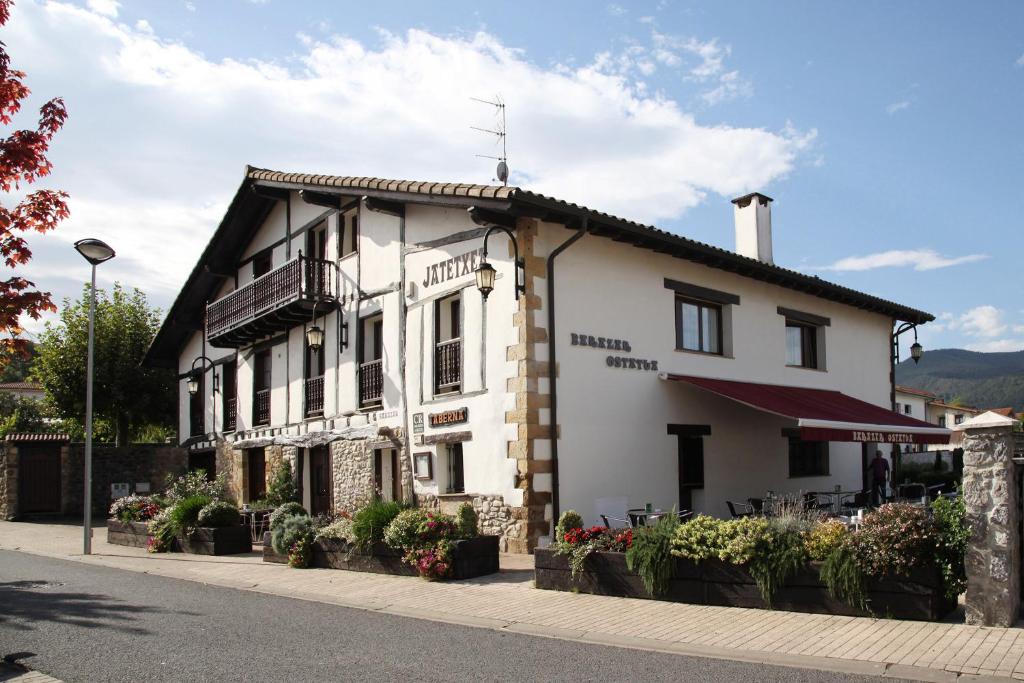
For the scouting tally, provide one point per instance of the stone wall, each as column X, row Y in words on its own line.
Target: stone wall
column 496, row 518
column 151, row 463
column 990, row 491
column 134, row 464
column 352, row 461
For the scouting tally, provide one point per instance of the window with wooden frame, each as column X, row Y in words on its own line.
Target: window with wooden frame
column 348, row 234
column 262, row 263
column 808, row 458
column 801, row 345
column 448, row 345
column 456, row 474
column 698, row 326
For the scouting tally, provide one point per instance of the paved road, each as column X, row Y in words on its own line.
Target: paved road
column 88, row 623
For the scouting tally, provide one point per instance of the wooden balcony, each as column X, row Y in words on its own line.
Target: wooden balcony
column 448, row 366
column 314, row 396
column 371, row 383
column 272, row 303
column 261, row 408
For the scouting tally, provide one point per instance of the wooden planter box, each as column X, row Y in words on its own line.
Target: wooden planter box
column 470, row 558
column 713, row 582
column 132, row 534
column 226, row 540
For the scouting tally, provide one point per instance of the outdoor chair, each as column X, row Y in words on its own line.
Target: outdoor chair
column 738, row 510
column 684, row 515
column 757, row 504
column 856, row 501
column 625, row 523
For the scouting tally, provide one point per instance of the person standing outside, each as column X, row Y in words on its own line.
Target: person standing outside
column 879, row 469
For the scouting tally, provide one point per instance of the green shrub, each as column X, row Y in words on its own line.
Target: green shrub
column 286, row 510
column 404, row 529
column 195, row 484
column 570, row 519
column 842, row 575
column 743, row 538
column 338, row 530
column 650, row 554
column 701, row 538
column 894, row 539
column 466, row 521
column 184, row 515
column 369, row 523
column 778, row 555
column 282, row 488
column 219, row 514
column 824, row 538
column 950, row 518
column 159, row 527
column 289, row 530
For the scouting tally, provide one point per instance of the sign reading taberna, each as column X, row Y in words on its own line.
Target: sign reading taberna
column 449, row 417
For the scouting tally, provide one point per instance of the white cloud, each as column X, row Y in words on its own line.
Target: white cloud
column 980, row 321
column 1020, row 62
column 919, row 259
column 997, row 345
column 672, row 51
column 158, row 134
column 897, row 106
column 616, row 10
column 107, row 8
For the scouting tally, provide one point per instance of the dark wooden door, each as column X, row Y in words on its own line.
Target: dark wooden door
column 38, row 479
column 321, row 480
column 396, row 476
column 257, row 474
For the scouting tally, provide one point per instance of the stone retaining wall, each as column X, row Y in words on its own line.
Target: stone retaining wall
column 496, row 517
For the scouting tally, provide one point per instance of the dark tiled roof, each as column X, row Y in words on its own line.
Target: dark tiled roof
column 22, row 386
column 248, row 209
column 916, row 392
column 37, row 438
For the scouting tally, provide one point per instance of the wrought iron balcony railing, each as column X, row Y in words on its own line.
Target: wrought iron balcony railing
column 314, row 395
column 448, row 366
column 371, row 383
column 271, row 303
column 261, row 407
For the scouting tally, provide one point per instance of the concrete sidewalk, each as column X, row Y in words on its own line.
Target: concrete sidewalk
column 508, row 601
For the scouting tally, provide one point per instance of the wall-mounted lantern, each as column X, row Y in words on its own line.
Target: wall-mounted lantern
column 485, row 273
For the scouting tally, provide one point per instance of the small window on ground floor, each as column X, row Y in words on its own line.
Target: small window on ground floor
column 456, row 476
column 808, row 458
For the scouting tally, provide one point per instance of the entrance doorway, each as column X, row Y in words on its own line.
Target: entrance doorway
column 321, row 481
column 38, row 479
column 387, row 473
column 690, row 460
column 257, row 474
column 205, row 461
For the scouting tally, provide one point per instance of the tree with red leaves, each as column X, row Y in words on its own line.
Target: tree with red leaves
column 23, row 160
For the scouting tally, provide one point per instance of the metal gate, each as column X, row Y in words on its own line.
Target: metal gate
column 39, row 479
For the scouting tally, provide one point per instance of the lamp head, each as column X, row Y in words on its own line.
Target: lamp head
column 94, row 251
column 485, row 275
column 916, row 351
column 315, row 337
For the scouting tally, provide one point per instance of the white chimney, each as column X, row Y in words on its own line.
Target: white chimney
column 753, row 214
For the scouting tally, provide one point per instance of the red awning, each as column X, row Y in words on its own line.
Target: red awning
column 824, row 415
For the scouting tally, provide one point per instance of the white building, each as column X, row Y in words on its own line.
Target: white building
column 675, row 373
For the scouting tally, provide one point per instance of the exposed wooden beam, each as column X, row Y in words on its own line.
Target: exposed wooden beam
column 487, row 218
column 384, row 206
column 275, row 193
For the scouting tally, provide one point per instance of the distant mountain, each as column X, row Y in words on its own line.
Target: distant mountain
column 985, row 380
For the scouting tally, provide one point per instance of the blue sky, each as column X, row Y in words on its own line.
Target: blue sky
column 887, row 133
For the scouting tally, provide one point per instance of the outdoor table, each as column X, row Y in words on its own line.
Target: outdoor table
column 254, row 520
column 836, row 498
column 639, row 516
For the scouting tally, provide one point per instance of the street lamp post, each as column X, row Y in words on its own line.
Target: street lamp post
column 95, row 252
column 916, row 351
column 192, row 384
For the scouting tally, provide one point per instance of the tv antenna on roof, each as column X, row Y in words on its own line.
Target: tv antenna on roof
column 499, row 133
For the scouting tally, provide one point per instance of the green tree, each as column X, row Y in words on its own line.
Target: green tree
column 126, row 395
column 21, row 415
column 19, row 365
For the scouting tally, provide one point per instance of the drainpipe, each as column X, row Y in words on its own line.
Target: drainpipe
column 552, row 374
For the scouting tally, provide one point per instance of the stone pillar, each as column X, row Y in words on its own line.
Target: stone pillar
column 993, row 560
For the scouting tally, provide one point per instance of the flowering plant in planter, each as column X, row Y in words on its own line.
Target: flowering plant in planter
column 579, row 543
column 432, row 563
column 134, row 508
column 301, row 552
